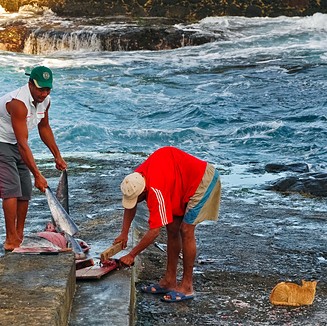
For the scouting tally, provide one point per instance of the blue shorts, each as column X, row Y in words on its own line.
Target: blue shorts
column 15, row 177
column 204, row 204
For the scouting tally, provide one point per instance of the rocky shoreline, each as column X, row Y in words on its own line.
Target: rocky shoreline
column 138, row 25
column 121, row 34
column 186, row 11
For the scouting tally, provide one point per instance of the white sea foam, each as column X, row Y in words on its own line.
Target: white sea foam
column 318, row 21
column 2, row 10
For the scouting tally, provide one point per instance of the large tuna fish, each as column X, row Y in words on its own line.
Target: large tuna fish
column 62, row 191
column 59, row 214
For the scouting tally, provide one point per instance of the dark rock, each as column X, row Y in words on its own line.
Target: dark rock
column 234, row 10
column 310, row 184
column 283, row 184
column 253, row 11
column 190, row 10
column 13, row 38
column 294, row 167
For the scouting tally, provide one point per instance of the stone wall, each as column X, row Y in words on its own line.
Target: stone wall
column 181, row 10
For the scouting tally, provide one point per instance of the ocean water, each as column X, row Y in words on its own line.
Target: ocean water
column 256, row 96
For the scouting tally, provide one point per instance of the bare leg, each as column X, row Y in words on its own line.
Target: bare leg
column 22, row 207
column 174, row 246
column 9, row 206
column 189, row 254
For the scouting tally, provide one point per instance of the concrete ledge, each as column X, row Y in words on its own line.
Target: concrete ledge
column 36, row 289
column 41, row 290
column 103, row 302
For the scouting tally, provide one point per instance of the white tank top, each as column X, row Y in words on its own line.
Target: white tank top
column 34, row 115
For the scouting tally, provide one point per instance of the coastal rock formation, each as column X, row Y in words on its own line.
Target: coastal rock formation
column 33, row 39
column 191, row 10
column 308, row 184
column 149, row 24
column 13, row 38
column 299, row 180
column 280, row 167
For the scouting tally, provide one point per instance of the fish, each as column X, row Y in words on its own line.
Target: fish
column 53, row 240
column 43, row 243
column 35, row 241
column 60, row 216
column 62, row 195
column 76, row 247
column 62, row 191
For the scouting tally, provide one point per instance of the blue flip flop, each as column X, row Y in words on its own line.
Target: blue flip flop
column 154, row 289
column 176, row 296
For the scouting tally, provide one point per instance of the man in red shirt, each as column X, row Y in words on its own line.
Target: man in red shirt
column 181, row 191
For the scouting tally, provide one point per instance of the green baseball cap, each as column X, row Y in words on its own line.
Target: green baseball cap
column 42, row 77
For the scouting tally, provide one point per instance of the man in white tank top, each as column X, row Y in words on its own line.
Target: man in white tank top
column 20, row 111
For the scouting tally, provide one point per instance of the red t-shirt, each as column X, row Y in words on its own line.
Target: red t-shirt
column 172, row 177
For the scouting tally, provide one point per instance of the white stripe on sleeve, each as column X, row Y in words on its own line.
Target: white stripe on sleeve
column 162, row 206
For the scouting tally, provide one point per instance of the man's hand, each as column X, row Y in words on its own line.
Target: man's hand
column 122, row 238
column 60, row 164
column 40, row 182
column 127, row 260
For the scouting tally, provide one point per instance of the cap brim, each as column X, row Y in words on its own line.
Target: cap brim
column 129, row 203
column 41, row 86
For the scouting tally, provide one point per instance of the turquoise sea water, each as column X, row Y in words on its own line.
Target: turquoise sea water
column 257, row 96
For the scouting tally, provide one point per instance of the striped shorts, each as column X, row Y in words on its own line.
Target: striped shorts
column 204, row 204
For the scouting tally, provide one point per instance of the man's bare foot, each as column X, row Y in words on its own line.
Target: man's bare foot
column 11, row 246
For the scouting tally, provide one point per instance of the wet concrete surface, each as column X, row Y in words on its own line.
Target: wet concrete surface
column 106, row 301
column 109, row 300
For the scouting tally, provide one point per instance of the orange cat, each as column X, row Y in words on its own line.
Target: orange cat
column 291, row 294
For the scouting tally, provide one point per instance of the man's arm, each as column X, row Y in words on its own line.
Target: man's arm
column 48, row 139
column 128, row 217
column 146, row 240
column 18, row 113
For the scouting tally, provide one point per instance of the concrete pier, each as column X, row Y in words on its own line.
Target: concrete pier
column 36, row 289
